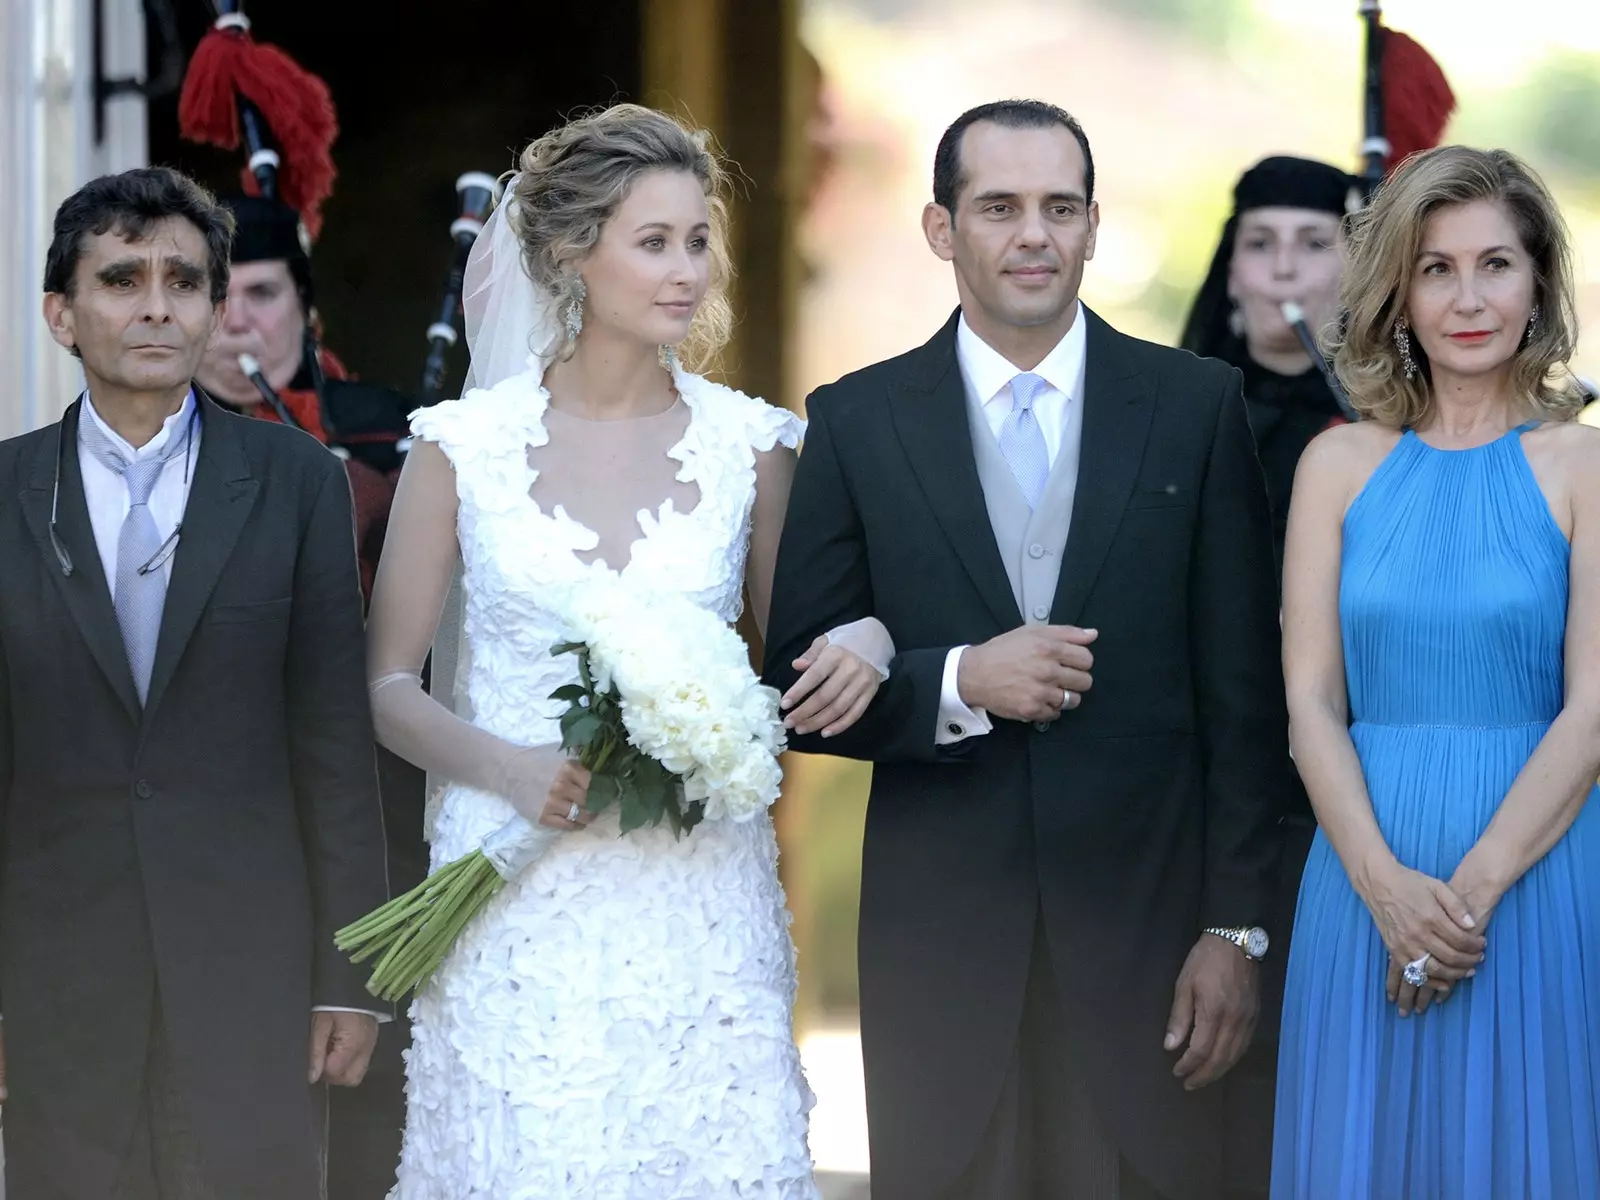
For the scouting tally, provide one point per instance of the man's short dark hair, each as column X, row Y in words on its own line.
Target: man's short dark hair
column 948, row 178
column 131, row 203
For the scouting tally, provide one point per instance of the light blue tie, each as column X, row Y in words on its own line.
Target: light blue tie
column 138, row 597
column 1022, row 441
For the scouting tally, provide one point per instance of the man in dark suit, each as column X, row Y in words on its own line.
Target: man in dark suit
column 1081, row 746
column 188, row 804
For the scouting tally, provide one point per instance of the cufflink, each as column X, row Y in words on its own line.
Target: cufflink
column 955, row 730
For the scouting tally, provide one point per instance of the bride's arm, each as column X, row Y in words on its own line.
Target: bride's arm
column 843, row 669
column 414, row 574
column 774, row 477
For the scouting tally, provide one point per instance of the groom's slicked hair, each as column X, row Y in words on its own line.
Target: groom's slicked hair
column 948, row 177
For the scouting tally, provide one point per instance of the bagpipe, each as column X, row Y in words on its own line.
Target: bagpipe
column 1406, row 99
column 242, row 94
column 238, row 93
column 477, row 194
column 1406, row 103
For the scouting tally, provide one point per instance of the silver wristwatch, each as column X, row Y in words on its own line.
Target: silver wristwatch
column 1251, row 940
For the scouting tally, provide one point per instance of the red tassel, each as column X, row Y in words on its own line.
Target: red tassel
column 1417, row 100
column 206, row 111
column 294, row 103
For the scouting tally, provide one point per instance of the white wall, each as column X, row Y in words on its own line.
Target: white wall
column 47, row 150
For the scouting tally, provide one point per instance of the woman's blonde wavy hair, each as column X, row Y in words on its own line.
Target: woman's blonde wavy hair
column 571, row 181
column 1381, row 252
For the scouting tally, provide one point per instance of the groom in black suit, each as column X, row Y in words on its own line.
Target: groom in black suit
column 188, row 798
column 1081, row 748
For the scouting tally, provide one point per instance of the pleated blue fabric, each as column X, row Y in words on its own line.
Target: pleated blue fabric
column 1453, row 604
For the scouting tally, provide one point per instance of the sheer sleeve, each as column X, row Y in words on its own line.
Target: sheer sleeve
column 866, row 638
column 414, row 578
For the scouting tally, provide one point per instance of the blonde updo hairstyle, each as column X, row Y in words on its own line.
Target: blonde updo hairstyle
column 571, row 181
column 1381, row 253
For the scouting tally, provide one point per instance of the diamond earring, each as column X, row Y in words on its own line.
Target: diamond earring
column 1402, row 343
column 1533, row 326
column 572, row 315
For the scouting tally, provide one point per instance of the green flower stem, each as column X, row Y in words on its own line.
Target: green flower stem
column 420, row 953
column 394, row 950
column 416, row 952
column 599, row 763
column 401, row 935
column 382, row 921
column 395, row 913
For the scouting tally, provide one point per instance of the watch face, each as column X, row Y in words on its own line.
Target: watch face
column 1255, row 943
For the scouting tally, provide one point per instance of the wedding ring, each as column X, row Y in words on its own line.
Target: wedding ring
column 574, row 813
column 1416, row 972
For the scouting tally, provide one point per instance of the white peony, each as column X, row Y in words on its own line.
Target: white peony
column 689, row 697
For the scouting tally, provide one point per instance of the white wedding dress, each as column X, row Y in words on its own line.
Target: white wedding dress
column 616, row 1024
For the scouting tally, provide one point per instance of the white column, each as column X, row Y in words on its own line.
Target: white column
column 47, row 151
column 126, row 143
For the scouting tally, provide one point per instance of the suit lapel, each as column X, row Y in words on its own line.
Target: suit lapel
column 929, row 411
column 1118, row 404
column 221, row 497
column 84, row 592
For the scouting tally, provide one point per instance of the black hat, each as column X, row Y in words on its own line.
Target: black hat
column 1285, row 182
column 1281, row 181
column 269, row 230
column 266, row 229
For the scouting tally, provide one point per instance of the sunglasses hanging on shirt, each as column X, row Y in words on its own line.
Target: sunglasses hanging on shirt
column 164, row 551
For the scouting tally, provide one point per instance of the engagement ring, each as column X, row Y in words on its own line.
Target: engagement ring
column 574, row 812
column 1416, row 973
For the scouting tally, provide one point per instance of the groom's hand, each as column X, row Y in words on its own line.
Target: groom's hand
column 1214, row 1008
column 341, row 1046
column 1030, row 674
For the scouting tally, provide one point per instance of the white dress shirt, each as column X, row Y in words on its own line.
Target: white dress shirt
column 105, row 493
column 987, row 375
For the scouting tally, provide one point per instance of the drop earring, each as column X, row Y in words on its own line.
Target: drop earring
column 1402, row 343
column 572, row 317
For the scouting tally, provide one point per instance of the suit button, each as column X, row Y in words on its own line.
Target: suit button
column 1042, row 726
column 1041, row 612
column 143, row 790
column 1036, row 551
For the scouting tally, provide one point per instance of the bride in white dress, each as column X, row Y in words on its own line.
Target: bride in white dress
column 617, row 1022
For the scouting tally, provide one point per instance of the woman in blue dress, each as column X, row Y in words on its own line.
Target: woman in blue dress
column 1441, row 1027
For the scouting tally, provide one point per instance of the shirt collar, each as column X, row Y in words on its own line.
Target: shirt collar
column 988, row 372
column 155, row 445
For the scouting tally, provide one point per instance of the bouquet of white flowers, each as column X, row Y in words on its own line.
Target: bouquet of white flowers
column 669, row 718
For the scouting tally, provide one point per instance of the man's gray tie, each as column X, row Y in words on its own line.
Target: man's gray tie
column 138, row 598
column 1022, row 441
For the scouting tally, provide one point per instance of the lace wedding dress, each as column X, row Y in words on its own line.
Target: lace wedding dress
column 617, row 1022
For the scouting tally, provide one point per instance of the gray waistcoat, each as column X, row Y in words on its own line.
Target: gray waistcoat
column 1030, row 541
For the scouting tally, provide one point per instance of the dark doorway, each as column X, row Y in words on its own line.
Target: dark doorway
column 423, row 93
